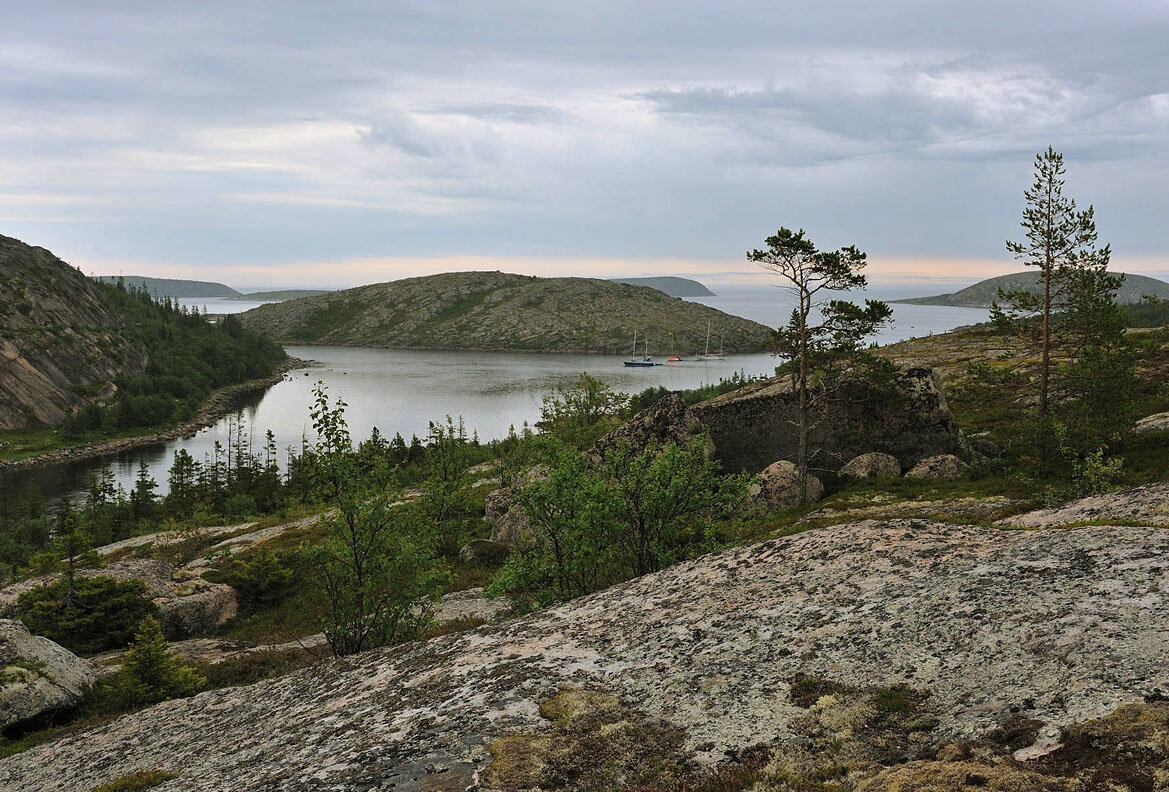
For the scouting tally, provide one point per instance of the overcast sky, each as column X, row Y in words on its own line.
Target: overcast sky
column 336, row 143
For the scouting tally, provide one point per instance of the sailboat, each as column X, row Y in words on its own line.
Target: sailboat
column 707, row 355
column 639, row 362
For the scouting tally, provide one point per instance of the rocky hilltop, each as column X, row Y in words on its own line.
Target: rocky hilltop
column 60, row 342
column 671, row 285
column 501, row 311
column 963, row 632
column 983, row 293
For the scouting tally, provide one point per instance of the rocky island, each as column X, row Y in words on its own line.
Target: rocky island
column 500, row 311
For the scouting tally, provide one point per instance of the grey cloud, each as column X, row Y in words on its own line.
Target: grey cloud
column 663, row 128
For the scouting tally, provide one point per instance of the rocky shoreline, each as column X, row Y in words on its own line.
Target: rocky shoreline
column 220, row 403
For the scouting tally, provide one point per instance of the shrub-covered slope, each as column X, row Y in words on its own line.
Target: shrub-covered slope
column 500, row 311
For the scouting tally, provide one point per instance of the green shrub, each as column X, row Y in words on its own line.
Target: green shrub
column 262, row 577
column 150, row 673
column 88, row 614
column 239, row 506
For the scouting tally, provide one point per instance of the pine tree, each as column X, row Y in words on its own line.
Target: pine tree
column 818, row 329
column 1059, row 241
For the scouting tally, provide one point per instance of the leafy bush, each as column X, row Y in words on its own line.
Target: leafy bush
column 239, row 506
column 86, row 614
column 583, row 413
column 598, row 522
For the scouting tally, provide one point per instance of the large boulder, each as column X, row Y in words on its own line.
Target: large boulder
column 945, row 467
column 872, row 465
column 196, row 607
column 37, row 676
column 668, row 420
column 511, row 526
column 484, row 552
column 1053, row 628
column 908, row 419
column 513, row 529
column 778, row 486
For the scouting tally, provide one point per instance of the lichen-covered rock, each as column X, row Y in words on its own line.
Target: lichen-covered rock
column 872, row 465
column 196, row 607
column 1144, row 505
column 668, row 420
column 756, row 424
column 497, row 503
column 1058, row 626
column 945, row 467
column 470, row 605
column 778, row 486
column 512, row 527
column 37, row 676
column 1158, row 422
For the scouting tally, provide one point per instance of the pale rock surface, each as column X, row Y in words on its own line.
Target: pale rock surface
column 1152, row 423
column 1146, row 505
column 872, row 465
column 511, row 524
column 945, row 467
column 37, row 676
column 778, row 486
column 1059, row 626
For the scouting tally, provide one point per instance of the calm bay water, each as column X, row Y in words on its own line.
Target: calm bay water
column 402, row 391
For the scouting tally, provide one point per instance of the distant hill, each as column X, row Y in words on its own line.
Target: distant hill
column 674, row 287
column 500, row 311
column 169, row 287
column 280, row 295
column 982, row 293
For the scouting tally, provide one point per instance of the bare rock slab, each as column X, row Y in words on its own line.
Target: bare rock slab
column 1061, row 626
column 1145, row 505
column 1152, row 423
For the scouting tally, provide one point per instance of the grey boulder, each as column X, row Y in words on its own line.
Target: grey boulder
column 872, row 465
column 945, row 467
column 778, row 486
column 37, row 676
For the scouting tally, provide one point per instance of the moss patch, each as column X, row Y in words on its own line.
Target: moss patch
column 139, row 779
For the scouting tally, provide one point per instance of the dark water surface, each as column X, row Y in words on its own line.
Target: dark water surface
column 401, row 391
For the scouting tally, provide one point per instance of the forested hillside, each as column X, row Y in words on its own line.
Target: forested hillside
column 96, row 357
